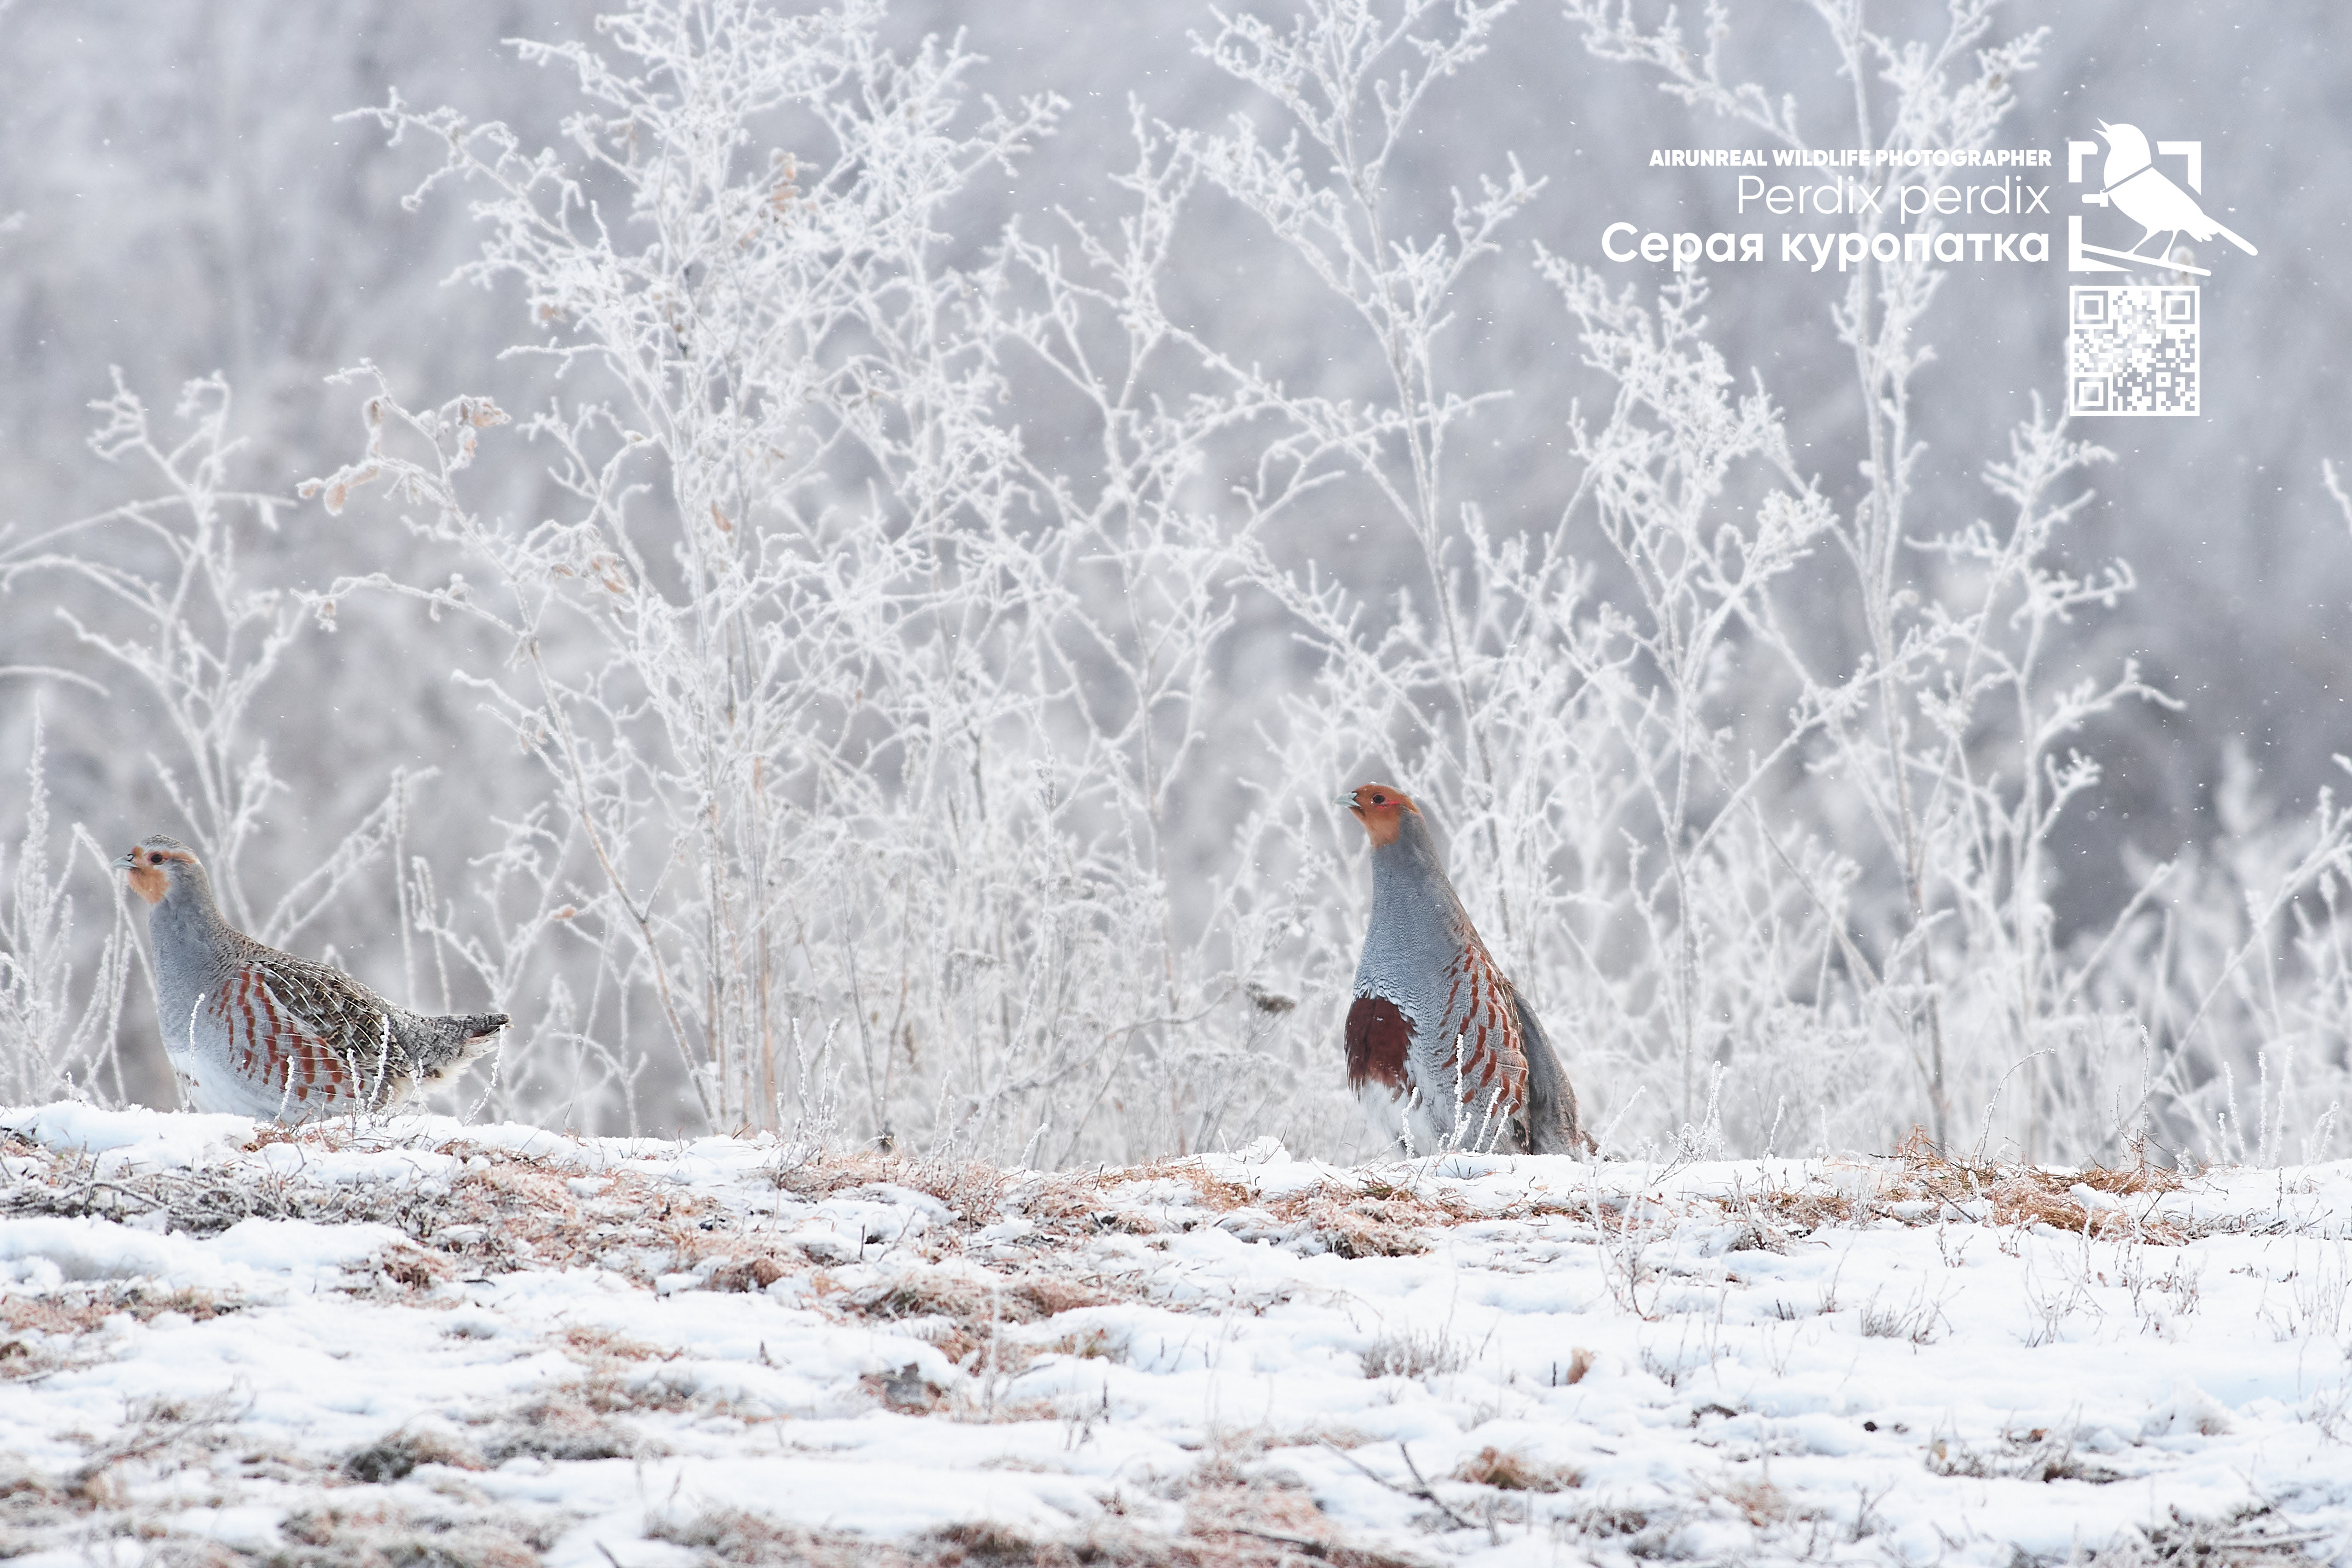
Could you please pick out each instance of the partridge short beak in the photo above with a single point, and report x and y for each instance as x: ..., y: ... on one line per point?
x: 1348, y: 799
x: 123, y: 862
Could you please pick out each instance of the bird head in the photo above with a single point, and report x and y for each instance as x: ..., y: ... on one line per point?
x: 2125, y: 141
x: 1381, y: 808
x: 157, y: 864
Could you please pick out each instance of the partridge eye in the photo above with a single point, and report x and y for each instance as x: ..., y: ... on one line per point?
x: 1379, y: 800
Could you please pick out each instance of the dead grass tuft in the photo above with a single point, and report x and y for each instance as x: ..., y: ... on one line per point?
x: 1371, y: 1220
x: 1920, y: 1185
x: 2040, y: 1455
x: 1800, y: 1212
x: 1759, y: 1503
x: 375, y: 1534
x: 1372, y: 1227
x: 2028, y: 1195
x: 411, y: 1268
x: 973, y: 1193
x: 80, y: 1308
x: 1246, y: 1532
x: 394, y: 1458
x: 967, y: 1314
x: 1507, y: 1471
x: 500, y: 1211
x: 574, y: 1421
x: 598, y: 1345
x: 1229, y: 1521
x: 1086, y: 1345
x: 746, y: 1275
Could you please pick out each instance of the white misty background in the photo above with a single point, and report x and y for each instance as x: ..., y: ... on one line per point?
x: 849, y: 616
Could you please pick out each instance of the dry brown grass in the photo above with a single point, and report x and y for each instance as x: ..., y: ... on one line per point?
x: 1015, y: 1298
x: 1225, y: 1527
x: 109, y: 1494
x: 601, y: 1346
x: 735, y: 1535
x: 408, y: 1267
x: 1759, y: 1503
x: 1807, y: 1209
x: 575, y: 1418
x: 1507, y: 1471
x: 501, y: 1212
x: 747, y: 1274
x: 378, y: 1534
x: 2028, y: 1194
x: 513, y: 1211
x: 49, y: 1332
x: 976, y: 1310
x: 1919, y: 1185
x: 78, y: 1308
x: 394, y: 1458
x: 1372, y: 1218
x: 973, y: 1193
x: 570, y: 1421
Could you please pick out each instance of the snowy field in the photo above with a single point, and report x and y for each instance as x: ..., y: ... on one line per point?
x: 425, y: 1342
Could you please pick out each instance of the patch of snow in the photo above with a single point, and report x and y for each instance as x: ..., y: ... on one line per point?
x: 610, y: 1339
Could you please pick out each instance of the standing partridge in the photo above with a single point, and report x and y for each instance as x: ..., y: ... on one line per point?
x: 1441, y: 1051
x: 257, y: 1032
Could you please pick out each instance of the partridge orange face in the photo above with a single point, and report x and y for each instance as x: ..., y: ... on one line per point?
x: 145, y: 865
x: 1381, y: 808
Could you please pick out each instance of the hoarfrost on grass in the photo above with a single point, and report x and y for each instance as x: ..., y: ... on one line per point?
x: 906, y: 711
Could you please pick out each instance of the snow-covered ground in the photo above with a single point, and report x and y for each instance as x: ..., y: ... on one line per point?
x: 419, y: 1342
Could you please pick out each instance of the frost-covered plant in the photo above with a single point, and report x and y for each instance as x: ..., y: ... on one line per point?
x: 926, y: 697
x: 160, y: 592
x: 1955, y: 746
x: 1588, y: 750
x: 52, y: 1040
x: 857, y: 800
x: 173, y: 607
x: 1791, y: 850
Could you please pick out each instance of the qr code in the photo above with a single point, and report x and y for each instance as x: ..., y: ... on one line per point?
x: 2131, y: 349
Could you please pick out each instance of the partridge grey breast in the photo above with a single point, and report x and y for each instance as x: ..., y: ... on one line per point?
x: 256, y: 1032
x: 1443, y: 1052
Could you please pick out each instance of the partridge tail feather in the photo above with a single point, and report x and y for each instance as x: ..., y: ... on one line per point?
x: 1553, y: 1126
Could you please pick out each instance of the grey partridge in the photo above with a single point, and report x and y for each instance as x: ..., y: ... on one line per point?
x: 1443, y: 1052
x: 257, y: 1032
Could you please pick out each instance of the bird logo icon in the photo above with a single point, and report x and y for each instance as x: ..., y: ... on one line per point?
x: 2132, y: 184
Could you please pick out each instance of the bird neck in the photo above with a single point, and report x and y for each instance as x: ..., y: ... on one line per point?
x: 1407, y: 869
x: 190, y: 905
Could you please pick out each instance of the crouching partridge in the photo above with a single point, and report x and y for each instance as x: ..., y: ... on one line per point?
x: 257, y: 1032
x: 1443, y: 1053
